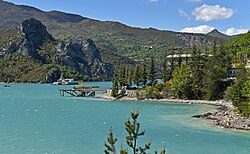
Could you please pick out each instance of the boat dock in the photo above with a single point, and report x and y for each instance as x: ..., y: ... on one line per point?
x: 81, y: 91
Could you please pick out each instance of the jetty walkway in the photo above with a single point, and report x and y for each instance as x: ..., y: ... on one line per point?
x: 81, y: 91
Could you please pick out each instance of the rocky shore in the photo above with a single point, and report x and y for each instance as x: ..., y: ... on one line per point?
x: 224, y: 116
x: 227, y: 118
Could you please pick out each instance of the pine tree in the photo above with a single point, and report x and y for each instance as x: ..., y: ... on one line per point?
x: 128, y: 76
x: 165, y: 72
x: 213, y: 81
x: 171, y: 67
x: 181, y: 86
x: 137, y: 76
x: 110, y: 144
x: 114, y: 87
x: 143, y: 75
x: 133, y: 130
x: 122, y: 77
x: 214, y: 73
x: 197, y: 65
x: 152, y: 72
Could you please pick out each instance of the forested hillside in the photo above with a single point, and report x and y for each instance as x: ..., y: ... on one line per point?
x: 111, y: 37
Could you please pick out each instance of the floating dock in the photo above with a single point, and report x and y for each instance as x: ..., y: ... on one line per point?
x: 81, y: 91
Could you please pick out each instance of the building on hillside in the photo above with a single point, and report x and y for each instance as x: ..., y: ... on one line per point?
x: 184, y: 58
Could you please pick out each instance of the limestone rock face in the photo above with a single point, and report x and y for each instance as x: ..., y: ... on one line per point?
x: 84, y: 57
x: 27, y: 40
x: 190, y: 40
x: 34, y: 34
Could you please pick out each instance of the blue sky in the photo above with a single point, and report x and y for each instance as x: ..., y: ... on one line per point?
x: 228, y: 16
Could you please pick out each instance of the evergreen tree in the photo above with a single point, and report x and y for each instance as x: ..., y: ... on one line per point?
x: 122, y: 77
x: 114, y: 87
x: 214, y: 73
x: 196, y: 65
x: 152, y: 72
x: 239, y: 92
x: 143, y: 75
x: 171, y: 67
x: 110, y: 144
x: 129, y: 77
x: 234, y: 93
x: 137, y: 76
x: 133, y: 130
x: 181, y: 82
x: 223, y: 58
x: 165, y: 71
x: 213, y: 85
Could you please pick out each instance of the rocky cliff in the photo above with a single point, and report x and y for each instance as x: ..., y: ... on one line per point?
x: 82, y: 55
x: 27, y: 40
x: 34, y: 34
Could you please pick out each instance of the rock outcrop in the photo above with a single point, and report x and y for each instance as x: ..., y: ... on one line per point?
x: 84, y: 57
x: 227, y: 118
x: 81, y: 55
x: 28, y: 39
x: 34, y: 34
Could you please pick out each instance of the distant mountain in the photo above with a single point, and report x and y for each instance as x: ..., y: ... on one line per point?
x: 219, y: 35
x: 111, y: 38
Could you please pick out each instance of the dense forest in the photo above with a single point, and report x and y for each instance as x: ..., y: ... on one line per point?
x: 201, y: 76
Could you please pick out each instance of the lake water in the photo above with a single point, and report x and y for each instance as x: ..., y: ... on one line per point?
x: 35, y: 119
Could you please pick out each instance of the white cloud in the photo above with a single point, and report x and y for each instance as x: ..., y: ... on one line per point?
x: 206, y: 29
x: 194, y: 1
x: 153, y: 1
x: 209, y: 12
x: 184, y: 14
x: 234, y: 31
x: 199, y: 29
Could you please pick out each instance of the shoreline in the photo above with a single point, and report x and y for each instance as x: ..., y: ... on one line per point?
x: 224, y: 117
x: 219, y: 103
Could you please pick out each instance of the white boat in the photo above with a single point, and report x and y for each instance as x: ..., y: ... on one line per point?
x: 63, y: 81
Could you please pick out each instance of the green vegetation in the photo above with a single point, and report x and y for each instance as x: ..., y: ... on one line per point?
x: 181, y: 82
x: 9, y: 35
x: 48, y: 51
x: 239, y: 92
x: 203, y: 76
x: 137, y: 75
x: 152, y: 72
x: 239, y: 48
x: 114, y: 87
x: 133, y: 135
x: 112, y: 38
x: 20, y: 69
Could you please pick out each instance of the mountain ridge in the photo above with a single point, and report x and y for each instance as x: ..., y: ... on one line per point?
x: 111, y: 37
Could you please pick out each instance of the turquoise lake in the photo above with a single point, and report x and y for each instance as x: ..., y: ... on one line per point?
x: 35, y: 119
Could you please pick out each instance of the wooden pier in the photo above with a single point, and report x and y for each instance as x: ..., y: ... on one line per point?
x: 81, y: 91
